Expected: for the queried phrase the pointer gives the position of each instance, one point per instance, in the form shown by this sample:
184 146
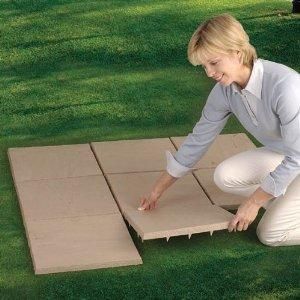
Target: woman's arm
162 183
214 117
287 100
288 111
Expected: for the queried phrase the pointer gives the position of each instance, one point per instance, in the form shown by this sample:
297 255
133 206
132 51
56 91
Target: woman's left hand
245 215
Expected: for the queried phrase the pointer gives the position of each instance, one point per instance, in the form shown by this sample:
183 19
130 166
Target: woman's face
224 68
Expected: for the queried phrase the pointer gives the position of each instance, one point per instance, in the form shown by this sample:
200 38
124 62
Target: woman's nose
209 72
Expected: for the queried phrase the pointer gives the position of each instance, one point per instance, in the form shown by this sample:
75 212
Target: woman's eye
214 63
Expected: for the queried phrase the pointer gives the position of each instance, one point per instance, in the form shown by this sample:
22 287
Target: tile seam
72 217
57 178
135 172
106 179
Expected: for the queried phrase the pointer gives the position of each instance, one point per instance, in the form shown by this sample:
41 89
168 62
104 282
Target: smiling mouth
219 78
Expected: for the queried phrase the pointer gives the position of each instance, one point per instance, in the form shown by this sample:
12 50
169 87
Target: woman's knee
222 177
231 179
219 176
269 236
263 236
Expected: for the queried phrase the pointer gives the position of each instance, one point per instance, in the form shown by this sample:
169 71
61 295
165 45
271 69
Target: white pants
243 173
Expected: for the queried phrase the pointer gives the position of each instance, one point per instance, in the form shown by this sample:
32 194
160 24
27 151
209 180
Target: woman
265 97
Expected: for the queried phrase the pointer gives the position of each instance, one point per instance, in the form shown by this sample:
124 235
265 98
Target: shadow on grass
130 34
48 92
133 97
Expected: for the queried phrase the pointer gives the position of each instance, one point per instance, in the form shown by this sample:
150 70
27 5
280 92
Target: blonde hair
222 34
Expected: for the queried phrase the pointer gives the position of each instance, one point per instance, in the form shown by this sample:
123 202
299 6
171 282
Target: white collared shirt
268 108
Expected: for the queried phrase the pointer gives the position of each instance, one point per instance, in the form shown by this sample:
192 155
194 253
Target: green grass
81 71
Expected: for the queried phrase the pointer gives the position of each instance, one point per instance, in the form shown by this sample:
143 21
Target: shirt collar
254 85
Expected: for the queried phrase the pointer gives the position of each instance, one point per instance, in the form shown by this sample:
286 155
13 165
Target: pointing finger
142 204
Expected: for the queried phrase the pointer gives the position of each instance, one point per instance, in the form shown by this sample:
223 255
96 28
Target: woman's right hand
162 183
148 203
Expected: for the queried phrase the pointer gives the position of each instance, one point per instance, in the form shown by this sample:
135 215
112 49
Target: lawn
80 71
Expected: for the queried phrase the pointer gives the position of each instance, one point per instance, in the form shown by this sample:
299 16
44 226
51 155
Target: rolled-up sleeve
287 107
213 119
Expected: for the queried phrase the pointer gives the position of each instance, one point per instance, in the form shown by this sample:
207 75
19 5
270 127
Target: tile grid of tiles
83 188
71 220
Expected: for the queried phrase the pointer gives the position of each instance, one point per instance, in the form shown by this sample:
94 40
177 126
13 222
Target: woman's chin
225 82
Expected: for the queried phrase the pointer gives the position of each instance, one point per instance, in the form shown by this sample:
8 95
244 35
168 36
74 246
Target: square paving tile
80 243
133 155
223 147
217 196
182 209
34 163
67 197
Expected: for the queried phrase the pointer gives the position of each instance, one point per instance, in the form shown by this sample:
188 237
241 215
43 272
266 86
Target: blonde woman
265 98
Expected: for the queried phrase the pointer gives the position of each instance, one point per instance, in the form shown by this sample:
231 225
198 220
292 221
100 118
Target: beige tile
67 197
223 147
80 243
133 155
34 163
182 209
217 196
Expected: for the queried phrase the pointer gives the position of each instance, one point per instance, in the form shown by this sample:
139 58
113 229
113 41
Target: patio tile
67 197
80 243
217 196
34 163
223 147
133 155
183 208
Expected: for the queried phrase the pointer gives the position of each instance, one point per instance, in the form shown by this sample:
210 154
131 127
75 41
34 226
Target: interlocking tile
133 155
182 209
34 163
80 243
67 197
224 146
217 196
